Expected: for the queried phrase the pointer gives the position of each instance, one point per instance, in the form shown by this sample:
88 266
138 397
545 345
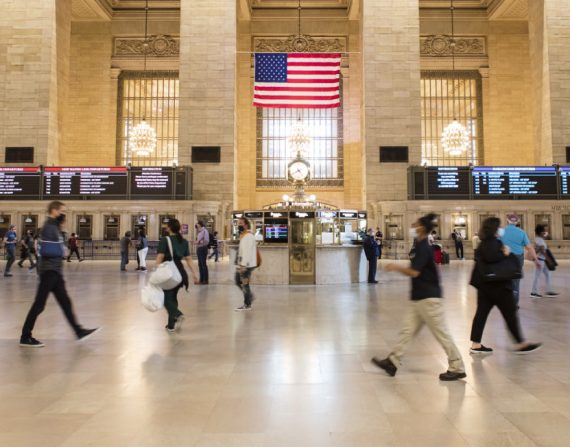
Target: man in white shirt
246 261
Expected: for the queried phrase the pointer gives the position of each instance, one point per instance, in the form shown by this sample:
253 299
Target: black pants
459 250
503 299
73 251
380 252
242 281
171 305
372 267
10 258
50 281
202 253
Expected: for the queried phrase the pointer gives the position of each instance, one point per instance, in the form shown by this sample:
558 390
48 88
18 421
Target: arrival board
85 183
528 182
20 183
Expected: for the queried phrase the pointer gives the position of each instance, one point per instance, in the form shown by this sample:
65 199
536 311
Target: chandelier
299 140
455 137
142 137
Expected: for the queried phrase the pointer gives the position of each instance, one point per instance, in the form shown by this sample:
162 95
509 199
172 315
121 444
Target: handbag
507 269
166 276
51 249
152 298
550 260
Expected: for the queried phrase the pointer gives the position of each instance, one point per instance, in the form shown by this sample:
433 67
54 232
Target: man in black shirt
426 305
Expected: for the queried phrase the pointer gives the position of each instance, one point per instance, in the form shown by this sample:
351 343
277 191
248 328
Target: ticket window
112 228
394 228
85 227
546 220
460 225
4 224
566 227
328 229
138 222
164 219
29 223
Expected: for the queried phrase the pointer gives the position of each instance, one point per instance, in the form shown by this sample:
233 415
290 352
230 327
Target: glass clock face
299 171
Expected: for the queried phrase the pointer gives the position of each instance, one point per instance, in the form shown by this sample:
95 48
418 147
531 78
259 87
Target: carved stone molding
158 46
440 45
299 44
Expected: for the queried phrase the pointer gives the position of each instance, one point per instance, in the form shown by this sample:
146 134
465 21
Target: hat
513 218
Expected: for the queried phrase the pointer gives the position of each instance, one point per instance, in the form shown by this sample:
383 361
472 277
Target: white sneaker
242 308
178 323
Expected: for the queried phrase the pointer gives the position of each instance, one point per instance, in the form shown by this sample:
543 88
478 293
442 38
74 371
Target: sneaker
30 342
531 347
552 294
481 350
450 376
169 329
386 365
242 308
8 275
178 323
143 269
84 334
535 295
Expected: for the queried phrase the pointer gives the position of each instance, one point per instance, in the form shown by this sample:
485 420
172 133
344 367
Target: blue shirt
11 239
516 239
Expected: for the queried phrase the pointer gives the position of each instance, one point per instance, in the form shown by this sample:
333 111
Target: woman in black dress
489 294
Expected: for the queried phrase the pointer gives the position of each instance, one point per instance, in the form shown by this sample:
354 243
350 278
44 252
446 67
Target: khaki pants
429 312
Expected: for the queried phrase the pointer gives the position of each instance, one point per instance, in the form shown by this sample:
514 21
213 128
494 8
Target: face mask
545 235
413 233
241 228
60 218
501 232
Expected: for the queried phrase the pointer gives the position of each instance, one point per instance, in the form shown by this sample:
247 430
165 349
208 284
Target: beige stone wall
28 63
207 92
391 92
91 110
508 106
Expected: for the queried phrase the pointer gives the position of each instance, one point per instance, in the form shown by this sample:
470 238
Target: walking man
125 244
518 242
246 261
73 248
50 269
425 308
214 246
202 242
10 241
372 251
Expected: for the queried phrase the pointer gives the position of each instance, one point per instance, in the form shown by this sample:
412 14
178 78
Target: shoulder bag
167 276
504 270
51 249
550 260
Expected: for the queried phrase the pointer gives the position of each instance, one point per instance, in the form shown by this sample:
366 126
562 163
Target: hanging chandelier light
455 137
299 140
142 138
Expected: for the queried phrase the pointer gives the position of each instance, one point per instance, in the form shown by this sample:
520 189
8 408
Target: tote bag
505 270
152 298
166 276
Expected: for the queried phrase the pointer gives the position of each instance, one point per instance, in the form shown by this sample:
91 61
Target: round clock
299 170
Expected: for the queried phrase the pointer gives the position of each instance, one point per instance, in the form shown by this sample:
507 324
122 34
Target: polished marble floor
294 372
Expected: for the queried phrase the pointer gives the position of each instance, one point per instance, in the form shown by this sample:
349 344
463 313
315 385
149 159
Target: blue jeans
517 282
242 281
124 260
202 253
10 258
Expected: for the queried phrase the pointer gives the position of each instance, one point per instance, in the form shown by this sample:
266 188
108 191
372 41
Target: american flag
297 80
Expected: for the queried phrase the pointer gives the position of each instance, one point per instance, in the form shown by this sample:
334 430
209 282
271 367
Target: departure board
565 181
20 183
152 183
448 182
528 182
85 183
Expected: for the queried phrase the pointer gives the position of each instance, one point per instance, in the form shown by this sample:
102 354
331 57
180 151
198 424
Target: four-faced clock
299 170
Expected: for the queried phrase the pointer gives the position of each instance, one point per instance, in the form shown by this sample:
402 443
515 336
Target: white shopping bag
152 297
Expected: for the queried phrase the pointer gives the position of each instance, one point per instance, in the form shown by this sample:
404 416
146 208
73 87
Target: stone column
391 50
207 92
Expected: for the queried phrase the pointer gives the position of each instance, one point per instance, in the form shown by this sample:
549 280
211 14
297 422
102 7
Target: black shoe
481 350
30 342
386 365
138 268
84 334
535 295
450 376
552 294
8 275
372 282
69 260
143 269
531 347
169 329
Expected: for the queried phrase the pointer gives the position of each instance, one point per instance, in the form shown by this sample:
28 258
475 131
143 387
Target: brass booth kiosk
306 245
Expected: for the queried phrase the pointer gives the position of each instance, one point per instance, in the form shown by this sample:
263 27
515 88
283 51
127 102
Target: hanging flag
297 80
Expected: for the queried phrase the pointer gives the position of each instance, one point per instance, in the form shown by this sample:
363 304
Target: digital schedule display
152 183
565 181
532 182
19 183
80 183
448 182
276 233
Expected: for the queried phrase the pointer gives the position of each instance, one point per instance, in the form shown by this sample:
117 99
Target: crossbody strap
170 247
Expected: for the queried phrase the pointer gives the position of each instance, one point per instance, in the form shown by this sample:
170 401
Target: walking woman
490 294
142 249
541 268
180 250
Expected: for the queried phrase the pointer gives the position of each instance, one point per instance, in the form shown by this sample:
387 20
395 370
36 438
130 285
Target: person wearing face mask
425 308
202 243
50 269
498 293
246 262
518 242
541 268
372 252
